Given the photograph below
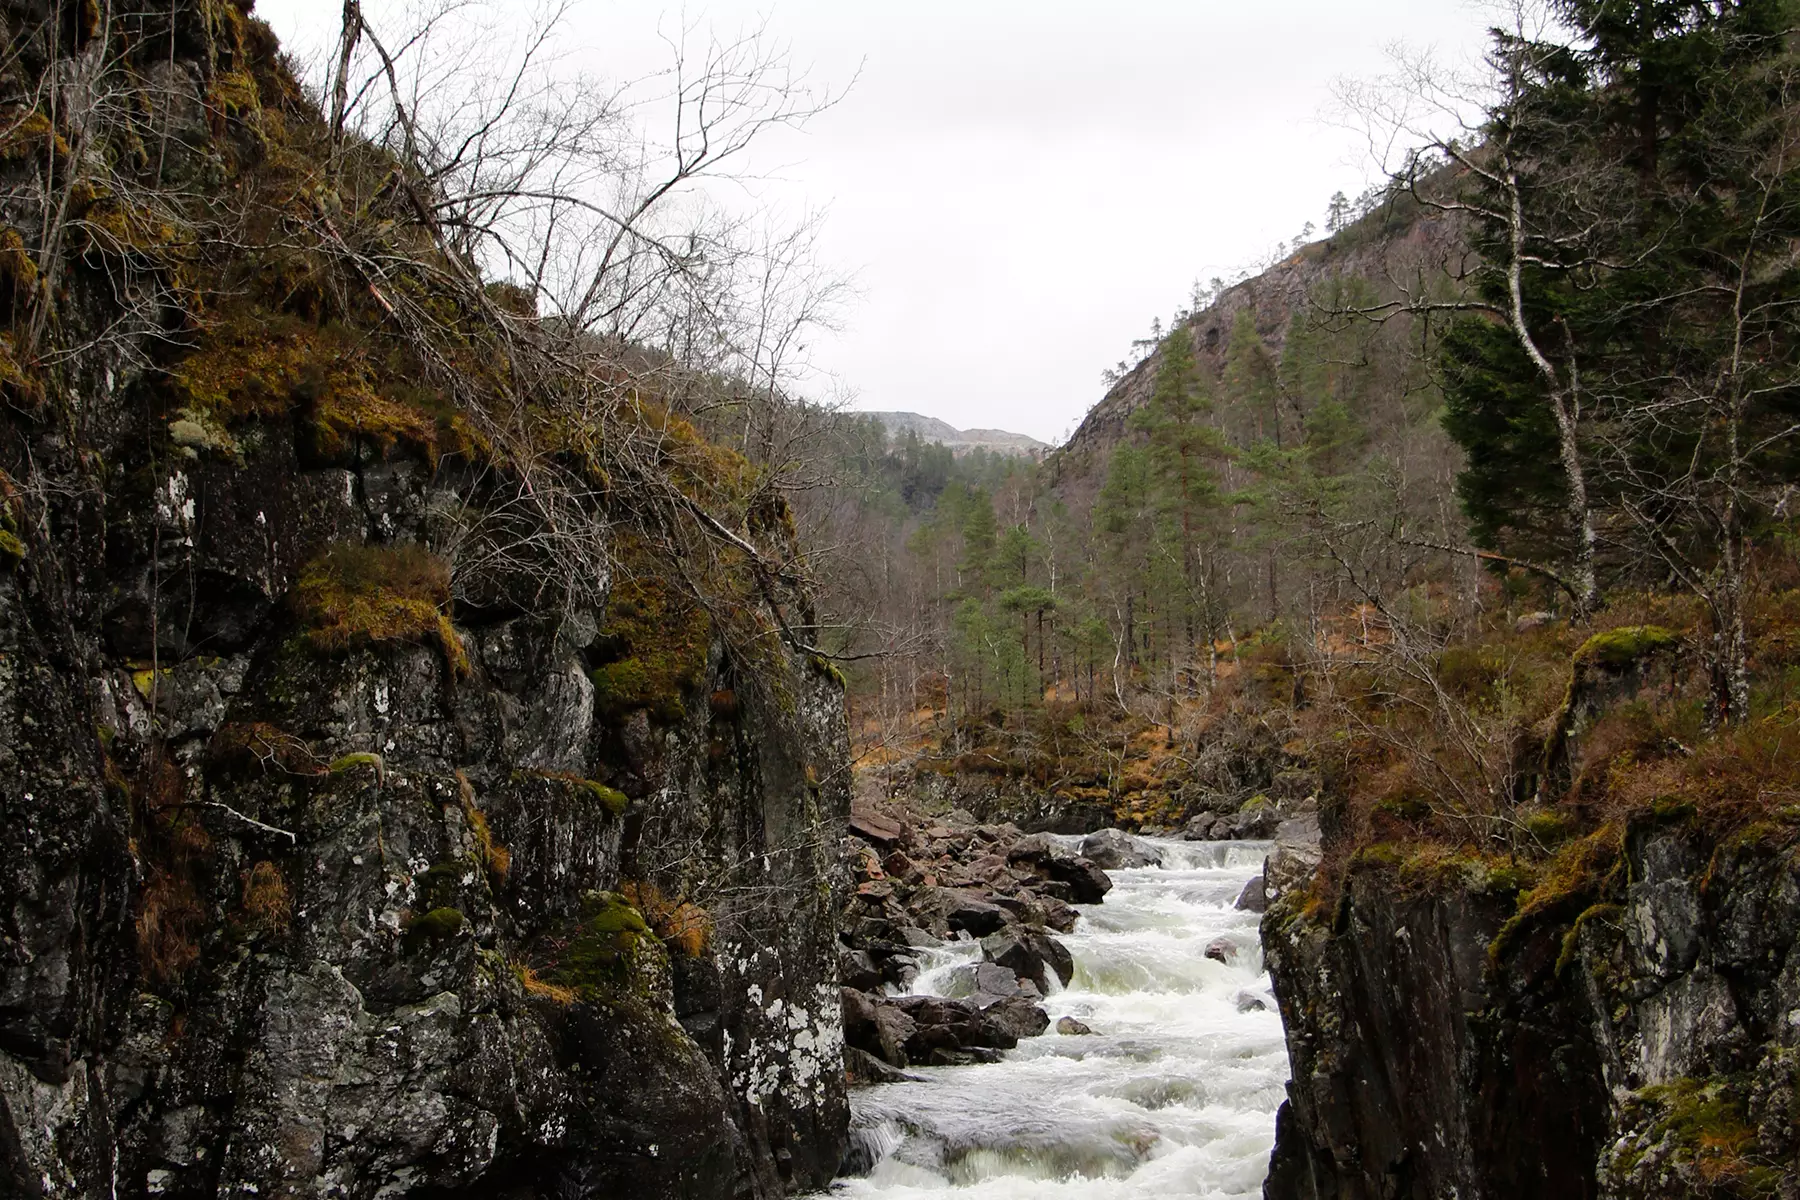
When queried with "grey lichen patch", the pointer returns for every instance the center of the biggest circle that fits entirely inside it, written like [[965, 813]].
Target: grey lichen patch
[[197, 431]]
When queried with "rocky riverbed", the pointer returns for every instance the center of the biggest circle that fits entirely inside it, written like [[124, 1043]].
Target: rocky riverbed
[[1041, 1014]]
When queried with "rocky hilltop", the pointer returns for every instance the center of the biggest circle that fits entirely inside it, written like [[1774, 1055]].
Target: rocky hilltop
[[354, 850], [960, 441]]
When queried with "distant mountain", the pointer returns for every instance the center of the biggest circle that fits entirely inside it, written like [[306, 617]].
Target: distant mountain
[[930, 429]]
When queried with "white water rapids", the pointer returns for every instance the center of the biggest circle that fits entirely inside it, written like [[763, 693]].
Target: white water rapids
[[1172, 1095]]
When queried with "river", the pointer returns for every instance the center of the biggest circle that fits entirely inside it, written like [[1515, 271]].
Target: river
[[1173, 1094]]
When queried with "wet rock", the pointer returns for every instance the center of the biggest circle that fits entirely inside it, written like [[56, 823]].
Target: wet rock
[[1081, 882], [966, 1056], [1114, 849], [1207, 827], [857, 969], [982, 982], [1222, 950], [1254, 898], [954, 1024], [1070, 1027], [877, 1028], [864, 1068], [969, 912], [1017, 1016], [1030, 955]]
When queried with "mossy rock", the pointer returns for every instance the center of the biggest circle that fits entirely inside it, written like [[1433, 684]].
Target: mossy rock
[[442, 884], [11, 547], [1619, 648], [1382, 856], [1549, 827], [1702, 1124], [356, 762], [615, 801], [1407, 808]]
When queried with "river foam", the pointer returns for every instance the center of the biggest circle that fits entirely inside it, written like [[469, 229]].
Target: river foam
[[1173, 1094]]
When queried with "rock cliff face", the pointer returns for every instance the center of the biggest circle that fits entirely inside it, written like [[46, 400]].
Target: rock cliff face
[[318, 884], [1631, 1032]]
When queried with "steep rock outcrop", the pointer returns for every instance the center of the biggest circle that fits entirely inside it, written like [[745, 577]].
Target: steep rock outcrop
[[1637, 1039], [368, 893]]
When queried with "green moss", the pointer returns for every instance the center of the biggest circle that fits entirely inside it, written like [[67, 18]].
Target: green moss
[[1672, 810], [358, 760], [824, 668], [659, 640], [259, 363], [1703, 1122], [602, 954], [440, 885], [440, 924], [1571, 943], [1580, 874], [1548, 827], [1408, 808], [10, 546], [1382, 856], [1623, 646]]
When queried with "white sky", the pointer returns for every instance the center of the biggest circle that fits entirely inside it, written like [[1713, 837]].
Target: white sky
[[1020, 186]]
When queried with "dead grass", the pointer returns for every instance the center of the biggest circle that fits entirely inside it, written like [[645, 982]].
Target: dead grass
[[265, 899], [683, 926]]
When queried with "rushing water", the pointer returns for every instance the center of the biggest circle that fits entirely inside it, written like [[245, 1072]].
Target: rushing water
[[1172, 1095]]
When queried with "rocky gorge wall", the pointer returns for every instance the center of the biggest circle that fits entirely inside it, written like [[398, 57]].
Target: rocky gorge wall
[[320, 882], [1626, 1030]]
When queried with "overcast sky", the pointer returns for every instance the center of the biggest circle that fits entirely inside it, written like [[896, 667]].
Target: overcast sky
[[1020, 186]]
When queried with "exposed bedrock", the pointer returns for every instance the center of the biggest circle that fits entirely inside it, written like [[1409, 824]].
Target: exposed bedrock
[[1639, 1039]]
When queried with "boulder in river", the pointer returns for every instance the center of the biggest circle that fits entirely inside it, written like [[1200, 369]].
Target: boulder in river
[[1114, 849], [862, 1067], [857, 969], [1017, 1016], [983, 982], [1027, 954], [1070, 1027], [941, 1023], [1084, 882], [1254, 898], [876, 1027], [1222, 950], [972, 913]]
